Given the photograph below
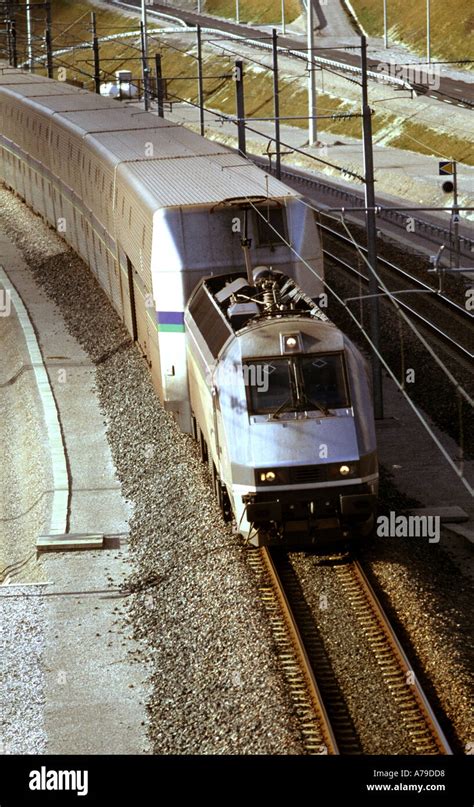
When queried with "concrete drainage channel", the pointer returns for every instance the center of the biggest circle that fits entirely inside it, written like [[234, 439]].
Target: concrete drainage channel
[[57, 537], [61, 487], [69, 683]]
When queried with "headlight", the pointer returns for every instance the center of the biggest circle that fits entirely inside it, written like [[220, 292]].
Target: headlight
[[267, 476], [347, 470]]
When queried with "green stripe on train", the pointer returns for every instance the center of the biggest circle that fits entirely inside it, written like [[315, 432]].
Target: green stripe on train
[[170, 328]]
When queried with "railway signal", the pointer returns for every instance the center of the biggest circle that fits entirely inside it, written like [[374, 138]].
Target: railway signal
[[449, 168]]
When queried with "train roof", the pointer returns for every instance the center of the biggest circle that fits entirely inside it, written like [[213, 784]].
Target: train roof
[[177, 166], [222, 306]]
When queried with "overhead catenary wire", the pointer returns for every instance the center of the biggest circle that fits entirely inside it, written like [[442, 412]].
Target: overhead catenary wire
[[401, 313], [433, 150], [459, 473], [231, 119], [408, 321], [231, 37], [453, 380], [173, 47], [224, 117]]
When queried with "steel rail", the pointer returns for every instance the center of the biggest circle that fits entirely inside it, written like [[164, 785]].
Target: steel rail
[[317, 733], [416, 714], [462, 351], [316, 653], [422, 286]]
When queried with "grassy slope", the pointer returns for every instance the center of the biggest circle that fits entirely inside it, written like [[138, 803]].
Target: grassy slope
[[176, 63], [220, 91], [263, 11], [452, 25]]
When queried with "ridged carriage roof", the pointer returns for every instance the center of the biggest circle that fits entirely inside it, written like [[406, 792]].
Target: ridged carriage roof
[[174, 165]]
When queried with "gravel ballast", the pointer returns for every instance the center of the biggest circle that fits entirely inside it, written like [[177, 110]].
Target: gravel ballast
[[22, 642], [429, 602], [426, 592], [217, 687], [353, 661]]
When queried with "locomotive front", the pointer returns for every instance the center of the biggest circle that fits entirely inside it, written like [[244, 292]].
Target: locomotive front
[[291, 431]]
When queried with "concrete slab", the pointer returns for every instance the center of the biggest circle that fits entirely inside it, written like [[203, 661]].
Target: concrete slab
[[90, 687], [95, 682], [68, 542]]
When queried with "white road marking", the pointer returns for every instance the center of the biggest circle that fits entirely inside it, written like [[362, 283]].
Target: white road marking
[[59, 510]]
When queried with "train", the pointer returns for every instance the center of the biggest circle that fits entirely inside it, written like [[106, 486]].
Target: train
[[172, 225], [282, 411]]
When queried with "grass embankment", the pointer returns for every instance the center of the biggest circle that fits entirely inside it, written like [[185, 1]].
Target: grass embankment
[[181, 69], [415, 137], [71, 24], [263, 11], [452, 25]]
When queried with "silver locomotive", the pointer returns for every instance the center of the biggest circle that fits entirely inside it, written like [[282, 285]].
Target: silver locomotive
[[282, 411]]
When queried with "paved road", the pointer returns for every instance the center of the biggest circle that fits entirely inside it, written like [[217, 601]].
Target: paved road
[[451, 90], [334, 20]]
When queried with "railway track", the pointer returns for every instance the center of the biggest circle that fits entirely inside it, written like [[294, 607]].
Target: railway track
[[452, 90], [327, 724], [416, 714], [317, 732], [455, 318], [426, 228]]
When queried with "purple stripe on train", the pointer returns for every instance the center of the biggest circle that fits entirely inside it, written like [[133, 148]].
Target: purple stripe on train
[[170, 317]]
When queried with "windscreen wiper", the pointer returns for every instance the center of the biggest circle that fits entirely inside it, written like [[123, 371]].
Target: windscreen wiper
[[281, 409], [326, 412]]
